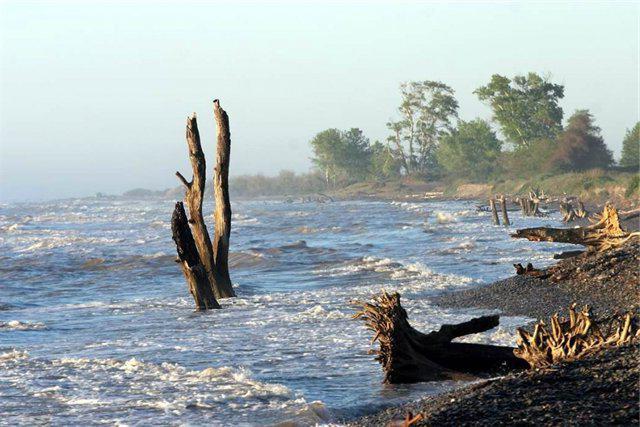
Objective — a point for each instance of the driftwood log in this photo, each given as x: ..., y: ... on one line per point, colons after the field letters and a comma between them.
x: 213, y: 257
x: 574, y: 337
x: 602, y: 235
x: 409, y: 356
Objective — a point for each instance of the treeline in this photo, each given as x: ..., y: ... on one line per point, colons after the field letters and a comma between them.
x: 286, y: 182
x: 430, y: 141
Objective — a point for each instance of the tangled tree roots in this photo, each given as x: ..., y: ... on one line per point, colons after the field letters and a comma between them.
x: 605, y: 234
x: 572, y: 338
x: 409, y: 356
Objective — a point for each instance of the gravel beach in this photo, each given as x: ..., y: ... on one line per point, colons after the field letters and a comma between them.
x: 601, y: 389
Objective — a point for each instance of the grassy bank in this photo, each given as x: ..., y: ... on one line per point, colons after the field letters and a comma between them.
x: 594, y: 186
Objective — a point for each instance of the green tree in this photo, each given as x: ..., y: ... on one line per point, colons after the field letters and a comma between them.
x: 580, y: 146
x: 383, y: 162
x: 341, y: 155
x: 471, y: 151
x: 631, y: 148
x: 426, y: 112
x: 526, y: 108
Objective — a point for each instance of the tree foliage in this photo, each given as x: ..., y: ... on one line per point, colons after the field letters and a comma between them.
x: 341, y: 154
x: 631, y: 148
x: 471, y: 150
x: 426, y: 112
x: 525, y: 107
x: 580, y: 146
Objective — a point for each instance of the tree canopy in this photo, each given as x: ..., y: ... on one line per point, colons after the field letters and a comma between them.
x: 341, y: 154
x: 471, y: 150
x: 525, y: 107
x: 580, y: 146
x: 631, y: 148
x: 426, y: 112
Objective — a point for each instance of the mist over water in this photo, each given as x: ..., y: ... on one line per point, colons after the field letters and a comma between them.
x: 97, y: 325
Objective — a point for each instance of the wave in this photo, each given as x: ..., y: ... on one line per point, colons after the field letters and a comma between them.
x: 16, y: 325
x: 122, y: 386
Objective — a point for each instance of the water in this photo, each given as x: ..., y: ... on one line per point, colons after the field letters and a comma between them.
x: 97, y: 326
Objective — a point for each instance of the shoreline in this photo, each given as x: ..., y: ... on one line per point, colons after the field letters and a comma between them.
x: 599, y: 389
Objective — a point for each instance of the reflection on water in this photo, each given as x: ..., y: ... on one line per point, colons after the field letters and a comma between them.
x: 96, y: 324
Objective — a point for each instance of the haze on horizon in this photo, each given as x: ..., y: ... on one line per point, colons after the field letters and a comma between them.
x: 94, y: 97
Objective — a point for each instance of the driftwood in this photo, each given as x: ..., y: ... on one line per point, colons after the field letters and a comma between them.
x: 604, y: 234
x: 409, y: 356
x: 213, y: 257
x: 189, y: 258
x: 571, y: 338
x: 569, y: 213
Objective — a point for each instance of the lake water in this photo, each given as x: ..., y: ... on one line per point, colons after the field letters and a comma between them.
x: 97, y: 325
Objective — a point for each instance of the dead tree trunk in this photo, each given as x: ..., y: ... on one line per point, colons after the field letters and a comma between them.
x: 213, y: 257
x: 604, y: 234
x: 494, y: 212
x: 409, y: 356
x: 222, y: 213
x: 503, y: 206
x: 189, y: 258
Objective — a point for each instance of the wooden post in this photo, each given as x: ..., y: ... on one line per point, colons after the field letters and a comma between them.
x: 188, y: 257
x: 505, y: 216
x: 222, y: 213
x: 494, y: 212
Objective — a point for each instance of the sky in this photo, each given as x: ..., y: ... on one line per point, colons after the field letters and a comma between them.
x: 94, y: 96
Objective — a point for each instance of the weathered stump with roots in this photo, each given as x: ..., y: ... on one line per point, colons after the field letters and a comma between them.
x: 566, y: 339
x: 602, y: 235
x: 409, y: 356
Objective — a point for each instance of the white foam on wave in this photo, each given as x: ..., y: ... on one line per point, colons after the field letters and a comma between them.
x: 444, y: 218
x: 17, y: 325
x: 120, y: 386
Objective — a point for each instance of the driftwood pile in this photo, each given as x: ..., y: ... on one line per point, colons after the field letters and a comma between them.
x: 566, y: 339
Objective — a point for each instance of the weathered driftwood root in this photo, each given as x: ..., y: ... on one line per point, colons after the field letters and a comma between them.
x: 571, y: 338
x: 409, y: 356
x: 569, y: 213
x: 213, y: 257
x: 188, y: 257
x: 604, y: 234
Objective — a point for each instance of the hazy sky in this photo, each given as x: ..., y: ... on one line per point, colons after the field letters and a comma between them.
x: 94, y: 97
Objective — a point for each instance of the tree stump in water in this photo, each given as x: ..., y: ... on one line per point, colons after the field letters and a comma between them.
x: 494, y: 212
x: 189, y: 258
x: 503, y: 207
x: 213, y: 257
x: 409, y: 356
x: 605, y: 234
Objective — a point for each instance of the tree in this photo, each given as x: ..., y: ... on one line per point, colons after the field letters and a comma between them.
x: 341, y: 154
x: 631, y: 148
x: 426, y: 112
x: 383, y: 162
x: 470, y: 151
x: 526, y: 108
x: 580, y: 146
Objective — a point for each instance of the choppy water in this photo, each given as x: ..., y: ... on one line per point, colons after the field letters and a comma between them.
x: 97, y: 326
